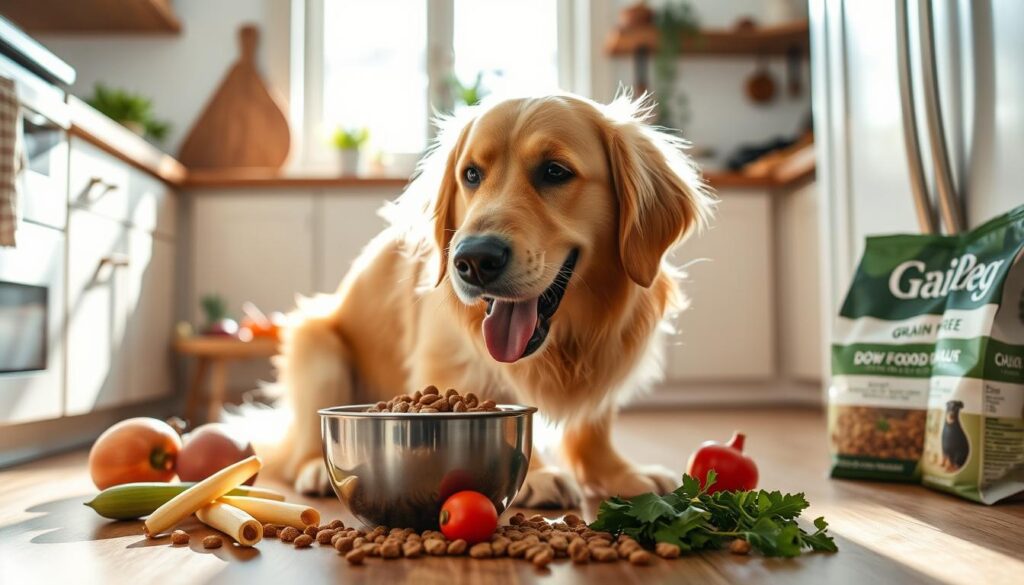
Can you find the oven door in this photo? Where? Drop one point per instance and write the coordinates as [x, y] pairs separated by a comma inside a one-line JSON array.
[[31, 317]]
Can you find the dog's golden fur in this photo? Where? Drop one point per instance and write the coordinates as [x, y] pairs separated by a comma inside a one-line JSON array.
[[396, 323]]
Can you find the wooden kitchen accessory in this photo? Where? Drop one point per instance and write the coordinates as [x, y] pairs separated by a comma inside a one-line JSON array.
[[242, 126]]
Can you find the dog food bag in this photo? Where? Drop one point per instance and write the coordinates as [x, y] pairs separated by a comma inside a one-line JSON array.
[[883, 342], [974, 434]]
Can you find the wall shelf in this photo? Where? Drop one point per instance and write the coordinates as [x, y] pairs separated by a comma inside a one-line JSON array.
[[778, 39], [93, 16]]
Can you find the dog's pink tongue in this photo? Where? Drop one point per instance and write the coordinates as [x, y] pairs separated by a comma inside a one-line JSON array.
[[509, 328]]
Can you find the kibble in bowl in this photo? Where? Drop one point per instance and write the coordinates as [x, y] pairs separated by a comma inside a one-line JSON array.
[[394, 465]]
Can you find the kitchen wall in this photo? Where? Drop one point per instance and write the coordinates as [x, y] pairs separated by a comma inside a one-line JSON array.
[[157, 65], [181, 72]]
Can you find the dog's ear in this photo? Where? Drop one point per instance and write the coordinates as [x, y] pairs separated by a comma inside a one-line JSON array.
[[444, 209], [661, 198], [426, 210]]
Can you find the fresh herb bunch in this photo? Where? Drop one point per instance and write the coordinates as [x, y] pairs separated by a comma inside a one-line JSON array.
[[129, 109], [693, 519]]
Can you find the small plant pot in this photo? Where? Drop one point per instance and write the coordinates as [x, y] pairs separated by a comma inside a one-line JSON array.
[[348, 162]]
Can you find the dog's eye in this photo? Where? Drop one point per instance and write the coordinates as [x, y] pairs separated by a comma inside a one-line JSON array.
[[472, 176], [555, 173]]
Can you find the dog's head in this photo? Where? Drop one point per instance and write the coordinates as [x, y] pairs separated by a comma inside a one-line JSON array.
[[953, 408], [536, 198]]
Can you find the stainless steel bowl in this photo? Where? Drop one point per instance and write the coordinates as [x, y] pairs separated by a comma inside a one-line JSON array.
[[396, 469]]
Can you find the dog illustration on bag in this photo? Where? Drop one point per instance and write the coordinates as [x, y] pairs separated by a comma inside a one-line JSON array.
[[955, 447]]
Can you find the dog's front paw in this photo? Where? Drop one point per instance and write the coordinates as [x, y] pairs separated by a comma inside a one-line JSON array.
[[634, 481], [313, 480], [549, 487]]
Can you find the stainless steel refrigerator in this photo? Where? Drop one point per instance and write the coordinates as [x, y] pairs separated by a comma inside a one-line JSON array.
[[918, 118]]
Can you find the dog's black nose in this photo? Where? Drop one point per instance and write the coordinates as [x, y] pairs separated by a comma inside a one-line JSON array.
[[480, 260]]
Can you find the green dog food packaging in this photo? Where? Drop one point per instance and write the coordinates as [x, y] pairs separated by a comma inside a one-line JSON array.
[[928, 379], [974, 432]]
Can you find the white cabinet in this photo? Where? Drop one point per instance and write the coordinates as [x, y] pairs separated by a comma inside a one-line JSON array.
[[150, 325], [347, 223], [121, 286], [98, 267], [728, 332], [253, 247]]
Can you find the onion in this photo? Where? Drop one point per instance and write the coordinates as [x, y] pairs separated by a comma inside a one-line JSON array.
[[210, 448]]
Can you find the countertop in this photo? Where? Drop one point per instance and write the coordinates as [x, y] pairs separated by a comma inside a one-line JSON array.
[[887, 533], [87, 123]]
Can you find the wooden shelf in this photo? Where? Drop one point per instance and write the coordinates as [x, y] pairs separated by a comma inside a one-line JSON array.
[[738, 180], [784, 168], [93, 16], [768, 40], [256, 179]]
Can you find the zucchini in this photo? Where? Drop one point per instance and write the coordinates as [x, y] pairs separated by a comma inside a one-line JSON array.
[[135, 500]]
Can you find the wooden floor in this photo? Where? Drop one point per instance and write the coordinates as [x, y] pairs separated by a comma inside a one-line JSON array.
[[886, 533]]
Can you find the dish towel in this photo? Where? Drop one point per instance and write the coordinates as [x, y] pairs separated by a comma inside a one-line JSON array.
[[11, 161]]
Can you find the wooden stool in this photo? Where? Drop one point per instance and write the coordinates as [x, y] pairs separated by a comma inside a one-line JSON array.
[[214, 353]]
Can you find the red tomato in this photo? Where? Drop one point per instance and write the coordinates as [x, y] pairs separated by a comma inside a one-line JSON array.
[[735, 471], [470, 516]]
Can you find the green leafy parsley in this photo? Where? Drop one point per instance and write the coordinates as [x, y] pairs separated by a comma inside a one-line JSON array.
[[693, 519]]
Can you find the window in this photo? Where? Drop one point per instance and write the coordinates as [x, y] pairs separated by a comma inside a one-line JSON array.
[[513, 43], [387, 65], [374, 73]]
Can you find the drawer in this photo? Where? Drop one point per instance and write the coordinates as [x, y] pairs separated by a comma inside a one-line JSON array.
[[98, 182], [98, 287], [109, 187]]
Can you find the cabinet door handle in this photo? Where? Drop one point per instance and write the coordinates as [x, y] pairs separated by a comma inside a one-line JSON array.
[[114, 261], [97, 188]]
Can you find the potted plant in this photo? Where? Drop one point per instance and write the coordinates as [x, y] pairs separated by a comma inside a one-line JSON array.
[[348, 141], [131, 110], [469, 95], [675, 20]]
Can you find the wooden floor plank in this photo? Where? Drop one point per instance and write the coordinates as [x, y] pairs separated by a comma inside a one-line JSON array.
[[887, 533]]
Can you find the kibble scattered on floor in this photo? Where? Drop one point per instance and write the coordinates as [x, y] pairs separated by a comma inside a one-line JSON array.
[[533, 539]]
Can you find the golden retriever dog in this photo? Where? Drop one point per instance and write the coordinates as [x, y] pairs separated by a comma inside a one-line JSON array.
[[524, 262]]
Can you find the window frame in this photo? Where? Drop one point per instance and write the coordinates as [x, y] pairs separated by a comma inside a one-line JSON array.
[[311, 153]]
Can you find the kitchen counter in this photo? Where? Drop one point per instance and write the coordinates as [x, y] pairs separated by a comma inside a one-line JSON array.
[[89, 124], [887, 533]]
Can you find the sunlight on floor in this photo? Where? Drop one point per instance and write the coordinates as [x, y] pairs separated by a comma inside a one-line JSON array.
[[920, 546]]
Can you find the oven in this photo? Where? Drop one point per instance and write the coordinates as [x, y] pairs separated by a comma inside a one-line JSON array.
[[32, 275]]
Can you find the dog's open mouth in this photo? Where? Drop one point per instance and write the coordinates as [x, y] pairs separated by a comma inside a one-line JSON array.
[[516, 329]]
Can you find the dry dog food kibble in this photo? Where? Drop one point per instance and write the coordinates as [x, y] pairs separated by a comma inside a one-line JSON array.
[[289, 533], [667, 550], [179, 537], [536, 540], [212, 542], [739, 547], [431, 400], [879, 432], [355, 556]]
